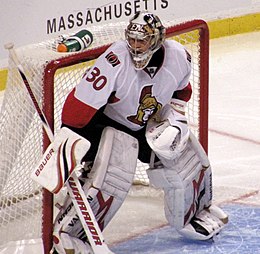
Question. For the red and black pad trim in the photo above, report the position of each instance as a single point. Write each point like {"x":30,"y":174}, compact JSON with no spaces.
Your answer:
{"x":65,"y":168}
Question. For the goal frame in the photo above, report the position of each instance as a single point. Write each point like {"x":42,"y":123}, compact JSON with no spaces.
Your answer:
{"x":91,"y":54}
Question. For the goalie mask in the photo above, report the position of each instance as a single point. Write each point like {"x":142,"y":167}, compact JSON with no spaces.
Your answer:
{"x":144,"y":35}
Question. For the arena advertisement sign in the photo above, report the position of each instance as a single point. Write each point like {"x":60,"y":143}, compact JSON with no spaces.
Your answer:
{"x":111,"y":12}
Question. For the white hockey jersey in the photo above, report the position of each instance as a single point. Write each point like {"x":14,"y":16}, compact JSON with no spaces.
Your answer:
{"x":131,"y":96}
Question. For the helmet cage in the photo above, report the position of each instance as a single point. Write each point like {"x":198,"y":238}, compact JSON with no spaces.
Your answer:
{"x":140,"y":47}
{"x":145,"y":29}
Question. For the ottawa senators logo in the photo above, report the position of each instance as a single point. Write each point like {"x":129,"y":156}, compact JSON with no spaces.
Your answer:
{"x":112,"y":58}
{"x":148,"y":107}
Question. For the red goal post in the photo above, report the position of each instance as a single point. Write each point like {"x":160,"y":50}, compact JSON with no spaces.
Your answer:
{"x":52,"y":77}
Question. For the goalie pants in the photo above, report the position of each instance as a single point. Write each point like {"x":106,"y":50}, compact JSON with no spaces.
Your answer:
{"x":92,"y":132}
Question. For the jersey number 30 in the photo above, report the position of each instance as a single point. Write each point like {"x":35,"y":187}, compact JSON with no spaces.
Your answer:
{"x":98,"y":81}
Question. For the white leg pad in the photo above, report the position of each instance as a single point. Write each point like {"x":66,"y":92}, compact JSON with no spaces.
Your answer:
{"x":107,"y":184}
{"x":186,"y":182}
{"x":112,"y":173}
{"x":65,"y":244}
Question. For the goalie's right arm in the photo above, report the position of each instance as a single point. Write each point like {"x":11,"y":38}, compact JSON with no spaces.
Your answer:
{"x":76,"y":113}
{"x":60,"y":159}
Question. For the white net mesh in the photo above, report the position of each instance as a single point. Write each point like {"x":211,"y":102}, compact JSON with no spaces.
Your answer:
{"x":21,"y":138}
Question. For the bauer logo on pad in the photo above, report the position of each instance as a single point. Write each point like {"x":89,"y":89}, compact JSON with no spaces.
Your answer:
{"x":60,"y":159}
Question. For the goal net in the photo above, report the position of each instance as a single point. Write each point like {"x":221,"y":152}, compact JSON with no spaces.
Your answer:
{"x":26,"y":210}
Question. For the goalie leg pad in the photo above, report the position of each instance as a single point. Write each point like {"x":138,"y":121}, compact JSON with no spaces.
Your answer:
{"x":187,"y":184}
{"x":65,"y":244}
{"x":107,"y":184}
{"x":112,"y":174}
{"x":68,"y":236}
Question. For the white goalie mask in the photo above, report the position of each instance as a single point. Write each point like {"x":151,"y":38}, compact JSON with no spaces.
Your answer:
{"x":144,"y":35}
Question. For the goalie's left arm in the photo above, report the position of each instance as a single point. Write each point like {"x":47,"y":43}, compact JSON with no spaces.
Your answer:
{"x":167,"y":133}
{"x":184,"y":173}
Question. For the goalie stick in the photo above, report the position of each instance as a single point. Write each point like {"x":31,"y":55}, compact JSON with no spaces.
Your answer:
{"x":77,"y":195}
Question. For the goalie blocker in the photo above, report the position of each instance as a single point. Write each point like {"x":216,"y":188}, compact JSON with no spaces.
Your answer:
{"x":60,"y":159}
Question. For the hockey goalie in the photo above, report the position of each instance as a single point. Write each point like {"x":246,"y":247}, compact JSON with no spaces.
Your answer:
{"x":131,"y":105}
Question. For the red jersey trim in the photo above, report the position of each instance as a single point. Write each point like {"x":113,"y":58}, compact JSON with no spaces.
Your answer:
{"x":76,"y":113}
{"x":184,"y":94}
